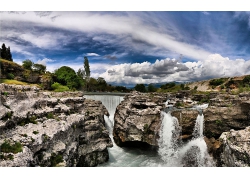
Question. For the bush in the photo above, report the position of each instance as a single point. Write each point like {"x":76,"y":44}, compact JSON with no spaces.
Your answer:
{"x":10,"y":76}
{"x":57,"y":87}
{"x":55,"y":159}
{"x":67,"y":77}
{"x":7,"y":147}
{"x":216,"y":82}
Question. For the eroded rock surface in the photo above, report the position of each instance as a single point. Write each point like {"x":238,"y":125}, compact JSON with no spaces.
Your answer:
{"x":137,"y":118}
{"x":55,"y":129}
{"x":235,"y":148}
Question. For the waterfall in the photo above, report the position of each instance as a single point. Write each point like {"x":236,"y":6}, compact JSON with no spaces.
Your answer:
{"x":110,"y":102}
{"x":169,"y":136}
{"x":173,"y":153}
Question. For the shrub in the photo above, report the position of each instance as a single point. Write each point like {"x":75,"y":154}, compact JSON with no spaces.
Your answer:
{"x":216,"y":82}
{"x":55,"y":159}
{"x":57,"y":87}
{"x":35,"y":132}
{"x":7,"y":116}
{"x":7,"y":147}
{"x":10,"y":76}
{"x":50,"y":115}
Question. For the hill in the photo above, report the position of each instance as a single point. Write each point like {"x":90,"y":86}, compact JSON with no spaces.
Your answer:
{"x":238,"y":83}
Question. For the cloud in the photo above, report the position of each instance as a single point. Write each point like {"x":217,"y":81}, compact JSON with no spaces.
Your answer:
{"x":167,"y":70}
{"x":93,"y":22}
{"x":110,"y":57}
{"x":91,"y":54}
{"x":44,"y":61}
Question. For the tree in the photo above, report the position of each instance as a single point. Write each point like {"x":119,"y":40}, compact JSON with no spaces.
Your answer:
{"x":39,"y":68}
{"x":27,"y":64}
{"x":4,"y":52}
{"x":81,"y":73}
{"x":151,"y":88}
{"x":86,"y":68}
{"x":67,"y":76}
{"x":102,"y":84}
{"x":8,"y":54}
{"x":140,"y":87}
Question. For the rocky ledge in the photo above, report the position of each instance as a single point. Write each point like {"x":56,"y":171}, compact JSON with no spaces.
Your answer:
{"x":137,"y":121}
{"x":40,"y":128}
{"x":235,"y":148}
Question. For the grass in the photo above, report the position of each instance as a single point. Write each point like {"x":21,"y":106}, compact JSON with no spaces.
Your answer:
{"x":16,"y":82}
{"x":7,"y":147}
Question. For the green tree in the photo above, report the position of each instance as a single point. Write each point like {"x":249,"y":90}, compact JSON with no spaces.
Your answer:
{"x":151,"y":88}
{"x":39,"y":68}
{"x":27,"y":64}
{"x":140,"y":87}
{"x":8,"y":54}
{"x":81,"y":73}
{"x":102,"y":84}
{"x":92,"y":84}
{"x":67,"y":76}
{"x":86,"y":68}
{"x":4,"y":51}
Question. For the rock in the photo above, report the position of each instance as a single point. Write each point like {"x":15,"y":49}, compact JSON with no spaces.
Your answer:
{"x":226,"y":112}
{"x":186,"y":120}
{"x":138,"y":118}
{"x":235,"y":148}
{"x":55,"y":129}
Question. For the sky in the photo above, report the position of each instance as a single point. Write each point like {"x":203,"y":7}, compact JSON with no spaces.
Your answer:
{"x":131,"y":47}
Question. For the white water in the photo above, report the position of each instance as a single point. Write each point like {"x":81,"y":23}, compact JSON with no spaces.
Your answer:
{"x":171,"y":153}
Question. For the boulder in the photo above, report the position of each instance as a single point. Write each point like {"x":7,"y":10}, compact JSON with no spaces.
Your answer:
{"x":138,"y":118}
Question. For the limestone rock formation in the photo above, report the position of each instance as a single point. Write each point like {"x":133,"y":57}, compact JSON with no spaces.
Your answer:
{"x":226,"y":112}
{"x":138,"y":119}
{"x":52,"y":129}
{"x":235,"y":148}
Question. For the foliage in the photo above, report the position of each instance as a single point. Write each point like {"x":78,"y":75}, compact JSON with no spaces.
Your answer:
{"x":67,"y":76}
{"x":7,"y":116}
{"x":6,"y":157}
{"x":168,"y":85}
{"x":50,"y":115}
{"x":140,"y":87}
{"x":7,"y":147}
{"x":10,"y":76}
{"x":35,"y":132}
{"x":27,"y":64}
{"x":246,"y":80}
{"x":57,"y":87}
{"x":151,"y":88}
{"x":39,"y":68}
{"x":27,"y":120}
{"x":12,"y":81}
{"x":5,"y":53}
{"x":216,"y":82}
{"x":86,"y":68}
{"x":55,"y":159}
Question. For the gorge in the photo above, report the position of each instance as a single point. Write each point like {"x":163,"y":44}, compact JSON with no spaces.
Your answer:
{"x":135,"y":130}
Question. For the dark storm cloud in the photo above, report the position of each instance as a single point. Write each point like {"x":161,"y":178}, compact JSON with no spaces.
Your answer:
{"x":110,"y":57}
{"x":159,"y":68}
